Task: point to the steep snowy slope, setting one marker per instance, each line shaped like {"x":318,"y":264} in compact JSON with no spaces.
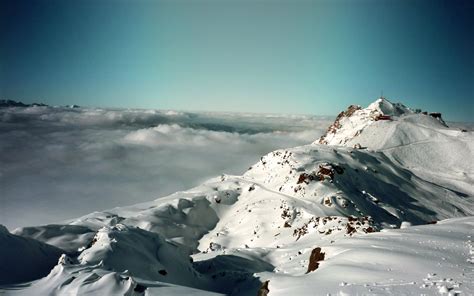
{"x":305,"y":219}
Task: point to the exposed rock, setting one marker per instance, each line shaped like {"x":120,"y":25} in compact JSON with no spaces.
{"x":263,"y":291}
{"x":139,"y":288}
{"x":316,"y":256}
{"x":337,"y":123}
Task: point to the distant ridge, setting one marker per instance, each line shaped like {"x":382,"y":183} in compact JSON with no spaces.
{"x":12,"y":103}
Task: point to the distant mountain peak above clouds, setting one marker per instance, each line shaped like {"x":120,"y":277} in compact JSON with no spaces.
{"x":12,"y":103}
{"x":350,"y":124}
{"x":4,"y":103}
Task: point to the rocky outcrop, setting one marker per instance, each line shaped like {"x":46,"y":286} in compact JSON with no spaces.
{"x":314,"y":259}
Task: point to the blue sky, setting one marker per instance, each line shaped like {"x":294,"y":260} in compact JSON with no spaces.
{"x":312,"y":57}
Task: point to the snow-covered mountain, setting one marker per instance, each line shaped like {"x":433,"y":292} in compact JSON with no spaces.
{"x":346,"y":214}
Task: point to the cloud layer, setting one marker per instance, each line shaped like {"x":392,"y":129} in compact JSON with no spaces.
{"x":59,"y":163}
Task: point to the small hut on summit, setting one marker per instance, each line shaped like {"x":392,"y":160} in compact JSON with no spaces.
{"x":383,"y":117}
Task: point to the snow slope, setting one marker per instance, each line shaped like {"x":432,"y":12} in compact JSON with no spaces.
{"x":421,"y":260}
{"x":23,"y":259}
{"x":317,"y":219}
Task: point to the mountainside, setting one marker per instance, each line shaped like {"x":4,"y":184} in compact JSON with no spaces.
{"x":316,"y":219}
{"x":422,"y":143}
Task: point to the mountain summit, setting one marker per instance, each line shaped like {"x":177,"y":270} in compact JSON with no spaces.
{"x":347,"y":214}
{"x":419,"y":141}
{"x":355,"y":120}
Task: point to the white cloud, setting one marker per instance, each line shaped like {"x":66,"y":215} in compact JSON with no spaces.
{"x":68,"y":162}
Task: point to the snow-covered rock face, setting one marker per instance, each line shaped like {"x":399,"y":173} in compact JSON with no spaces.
{"x":383,"y":106}
{"x":350,"y":123}
{"x":320,"y":218}
{"x":418,"y":141}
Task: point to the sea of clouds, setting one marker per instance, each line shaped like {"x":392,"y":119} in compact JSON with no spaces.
{"x":58,"y":163}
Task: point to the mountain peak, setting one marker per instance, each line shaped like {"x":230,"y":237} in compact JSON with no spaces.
{"x":385,"y":107}
{"x":382,"y":117}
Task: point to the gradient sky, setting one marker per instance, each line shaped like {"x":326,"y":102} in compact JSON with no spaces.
{"x":312,"y":57}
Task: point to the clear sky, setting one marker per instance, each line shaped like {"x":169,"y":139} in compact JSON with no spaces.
{"x":291,"y":56}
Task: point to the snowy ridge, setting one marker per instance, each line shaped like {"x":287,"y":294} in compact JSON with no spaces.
{"x":416,"y":141}
{"x":321,"y":218}
{"x":350,"y":123}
